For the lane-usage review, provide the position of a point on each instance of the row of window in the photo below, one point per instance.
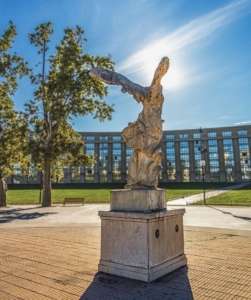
(182, 136)
(212, 154)
(91, 138)
(210, 134)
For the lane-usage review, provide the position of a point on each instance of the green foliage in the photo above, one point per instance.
(13, 130)
(12, 66)
(67, 91)
(41, 36)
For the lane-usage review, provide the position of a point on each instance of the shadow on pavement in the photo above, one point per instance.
(172, 286)
(7, 210)
(231, 214)
(18, 214)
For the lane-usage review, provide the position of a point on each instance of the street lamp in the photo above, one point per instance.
(226, 156)
(203, 165)
(203, 151)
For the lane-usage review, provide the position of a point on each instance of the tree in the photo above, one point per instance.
(65, 92)
(13, 133)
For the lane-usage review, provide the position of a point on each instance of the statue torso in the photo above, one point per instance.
(146, 132)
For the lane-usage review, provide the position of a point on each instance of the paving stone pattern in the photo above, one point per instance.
(61, 263)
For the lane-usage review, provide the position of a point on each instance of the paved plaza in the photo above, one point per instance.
(237, 218)
(61, 263)
(53, 253)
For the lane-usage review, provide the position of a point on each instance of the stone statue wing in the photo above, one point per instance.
(110, 77)
(160, 72)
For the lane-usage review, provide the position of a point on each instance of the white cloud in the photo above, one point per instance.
(143, 62)
(243, 123)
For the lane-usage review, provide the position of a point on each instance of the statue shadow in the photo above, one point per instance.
(175, 285)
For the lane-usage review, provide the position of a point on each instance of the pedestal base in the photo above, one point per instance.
(142, 246)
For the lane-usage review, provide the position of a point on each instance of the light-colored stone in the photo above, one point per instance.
(142, 246)
(145, 134)
(149, 244)
(138, 200)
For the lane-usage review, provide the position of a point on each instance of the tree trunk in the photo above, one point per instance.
(47, 184)
(3, 189)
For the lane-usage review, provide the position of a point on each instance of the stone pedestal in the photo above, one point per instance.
(140, 245)
(138, 200)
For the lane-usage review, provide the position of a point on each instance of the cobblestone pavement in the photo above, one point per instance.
(61, 263)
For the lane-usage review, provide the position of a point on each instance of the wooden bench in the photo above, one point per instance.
(74, 200)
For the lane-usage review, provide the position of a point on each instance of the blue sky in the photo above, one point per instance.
(208, 42)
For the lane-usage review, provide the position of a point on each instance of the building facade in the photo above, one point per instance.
(210, 154)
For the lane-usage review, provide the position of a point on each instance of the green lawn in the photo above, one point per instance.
(31, 196)
(180, 190)
(235, 197)
(92, 195)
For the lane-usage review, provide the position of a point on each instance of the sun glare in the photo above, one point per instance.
(175, 77)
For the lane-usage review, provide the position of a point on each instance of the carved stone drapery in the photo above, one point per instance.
(145, 134)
